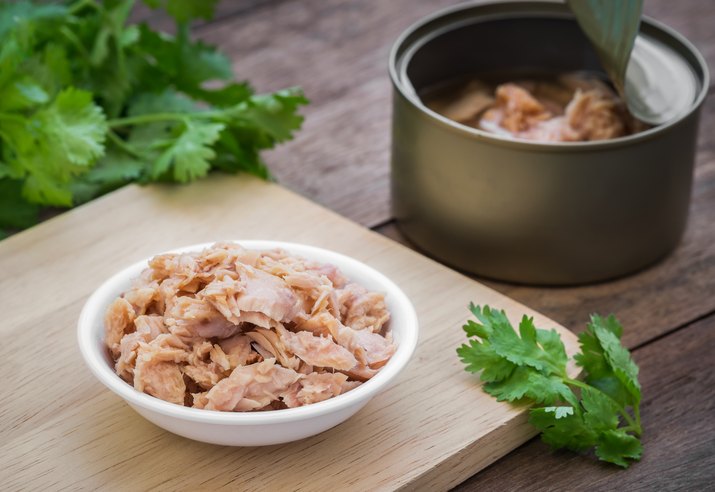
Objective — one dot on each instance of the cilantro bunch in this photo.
(601, 410)
(89, 102)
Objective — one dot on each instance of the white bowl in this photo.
(254, 428)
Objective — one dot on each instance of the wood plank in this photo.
(652, 302)
(691, 18)
(62, 428)
(694, 19)
(224, 11)
(337, 51)
(679, 437)
(341, 158)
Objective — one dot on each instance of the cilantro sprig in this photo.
(90, 101)
(601, 410)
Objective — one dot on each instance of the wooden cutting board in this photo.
(59, 427)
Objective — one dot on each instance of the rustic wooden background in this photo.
(337, 51)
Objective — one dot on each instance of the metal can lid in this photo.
(660, 84)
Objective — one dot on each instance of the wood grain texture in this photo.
(61, 428)
(679, 430)
(652, 302)
(694, 19)
(337, 50)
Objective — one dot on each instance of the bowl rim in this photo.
(92, 310)
(541, 9)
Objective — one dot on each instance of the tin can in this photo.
(523, 211)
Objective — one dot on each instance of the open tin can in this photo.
(525, 211)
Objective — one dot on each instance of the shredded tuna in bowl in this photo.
(255, 338)
(232, 329)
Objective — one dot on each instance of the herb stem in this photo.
(577, 383)
(637, 413)
(117, 28)
(631, 428)
(13, 117)
(145, 118)
(116, 140)
(157, 117)
(74, 41)
(77, 6)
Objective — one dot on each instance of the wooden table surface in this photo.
(337, 51)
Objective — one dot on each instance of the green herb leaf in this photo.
(618, 447)
(273, 117)
(89, 102)
(186, 65)
(41, 187)
(188, 150)
(617, 356)
(600, 412)
(562, 427)
(524, 350)
(25, 18)
(74, 126)
(115, 168)
(531, 366)
(186, 10)
(524, 382)
(49, 68)
(15, 212)
(480, 356)
(167, 101)
(228, 95)
(22, 93)
(607, 364)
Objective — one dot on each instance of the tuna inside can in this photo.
(529, 211)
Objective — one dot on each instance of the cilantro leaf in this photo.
(90, 101)
(524, 349)
(113, 170)
(562, 427)
(25, 18)
(273, 117)
(187, 66)
(618, 357)
(186, 10)
(607, 364)
(515, 366)
(49, 68)
(524, 382)
(188, 150)
(75, 126)
(166, 101)
(21, 93)
(228, 95)
(531, 366)
(490, 320)
(42, 187)
(616, 446)
(600, 412)
(238, 152)
(480, 356)
(595, 424)
(550, 341)
(15, 213)
(57, 142)
(200, 62)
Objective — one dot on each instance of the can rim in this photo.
(401, 45)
